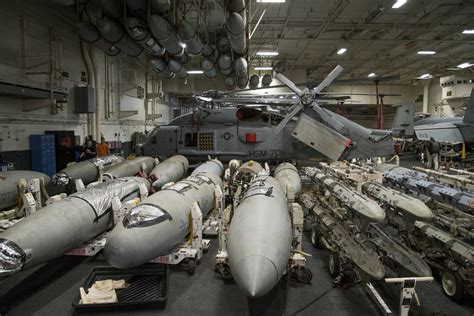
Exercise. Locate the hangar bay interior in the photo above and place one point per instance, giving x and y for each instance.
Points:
(236, 157)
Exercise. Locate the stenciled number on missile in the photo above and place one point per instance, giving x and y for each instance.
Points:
(265, 153)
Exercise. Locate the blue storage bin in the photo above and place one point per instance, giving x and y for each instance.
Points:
(43, 153)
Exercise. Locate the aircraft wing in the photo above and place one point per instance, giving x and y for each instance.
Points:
(441, 132)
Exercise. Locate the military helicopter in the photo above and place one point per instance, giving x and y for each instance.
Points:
(305, 132)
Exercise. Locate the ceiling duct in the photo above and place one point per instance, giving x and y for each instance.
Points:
(165, 35)
(225, 64)
(235, 27)
(190, 37)
(138, 30)
(115, 33)
(242, 82)
(161, 7)
(138, 8)
(223, 44)
(89, 33)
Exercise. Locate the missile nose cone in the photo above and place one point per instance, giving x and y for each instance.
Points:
(119, 253)
(255, 275)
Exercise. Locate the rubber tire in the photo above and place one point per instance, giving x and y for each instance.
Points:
(192, 266)
(334, 262)
(316, 238)
(303, 275)
(458, 285)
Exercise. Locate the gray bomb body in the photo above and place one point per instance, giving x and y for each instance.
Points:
(170, 170)
(157, 225)
(259, 239)
(9, 194)
(64, 225)
(87, 170)
(213, 166)
(129, 168)
(287, 174)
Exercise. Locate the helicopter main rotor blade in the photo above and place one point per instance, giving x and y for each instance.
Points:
(288, 83)
(328, 80)
(287, 118)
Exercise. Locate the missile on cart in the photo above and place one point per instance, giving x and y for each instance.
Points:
(412, 209)
(128, 168)
(363, 208)
(287, 175)
(157, 225)
(402, 260)
(170, 170)
(212, 166)
(260, 237)
(9, 191)
(87, 170)
(345, 244)
(65, 224)
(420, 184)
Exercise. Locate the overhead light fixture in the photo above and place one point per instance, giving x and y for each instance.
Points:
(425, 76)
(371, 75)
(183, 45)
(465, 65)
(267, 53)
(281, 97)
(263, 68)
(195, 72)
(398, 4)
(341, 51)
(271, 1)
(468, 31)
(426, 52)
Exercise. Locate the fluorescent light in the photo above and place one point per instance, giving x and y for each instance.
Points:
(293, 97)
(195, 72)
(341, 51)
(398, 4)
(183, 45)
(263, 68)
(371, 75)
(471, 31)
(426, 52)
(465, 65)
(271, 1)
(425, 76)
(267, 53)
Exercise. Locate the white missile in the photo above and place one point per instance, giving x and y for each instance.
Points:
(129, 168)
(170, 170)
(287, 175)
(9, 194)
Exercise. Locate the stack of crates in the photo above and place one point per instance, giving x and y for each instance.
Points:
(43, 153)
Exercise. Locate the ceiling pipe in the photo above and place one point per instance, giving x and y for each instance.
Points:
(138, 30)
(229, 83)
(267, 80)
(235, 27)
(223, 44)
(165, 35)
(190, 37)
(115, 33)
(225, 64)
(89, 33)
(254, 81)
(242, 82)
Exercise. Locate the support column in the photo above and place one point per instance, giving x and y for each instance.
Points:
(426, 94)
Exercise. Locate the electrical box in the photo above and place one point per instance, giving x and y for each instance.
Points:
(84, 101)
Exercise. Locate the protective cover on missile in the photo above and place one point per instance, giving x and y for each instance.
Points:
(170, 170)
(87, 170)
(157, 225)
(260, 236)
(9, 194)
(129, 168)
(64, 225)
(213, 166)
(287, 174)
(366, 209)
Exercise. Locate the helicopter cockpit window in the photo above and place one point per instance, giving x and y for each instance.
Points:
(191, 139)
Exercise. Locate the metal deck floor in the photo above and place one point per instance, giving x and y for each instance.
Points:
(51, 289)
